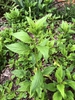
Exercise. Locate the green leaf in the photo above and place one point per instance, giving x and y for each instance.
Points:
(70, 95)
(50, 87)
(73, 76)
(71, 84)
(63, 50)
(44, 42)
(39, 92)
(30, 22)
(61, 88)
(18, 2)
(21, 95)
(37, 82)
(48, 70)
(23, 86)
(0, 46)
(59, 74)
(41, 22)
(1, 88)
(57, 96)
(51, 44)
(21, 3)
(39, 1)
(19, 73)
(32, 27)
(71, 31)
(11, 95)
(23, 36)
(3, 98)
(72, 48)
(44, 50)
(73, 20)
(68, 74)
(65, 26)
(19, 48)
(71, 56)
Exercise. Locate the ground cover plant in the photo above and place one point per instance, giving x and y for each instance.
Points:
(5, 6)
(67, 12)
(37, 55)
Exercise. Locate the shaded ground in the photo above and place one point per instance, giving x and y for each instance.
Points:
(2, 23)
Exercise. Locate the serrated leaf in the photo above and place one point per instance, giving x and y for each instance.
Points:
(44, 50)
(71, 84)
(23, 36)
(61, 88)
(19, 73)
(57, 96)
(59, 74)
(23, 86)
(50, 87)
(37, 82)
(19, 48)
(48, 70)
